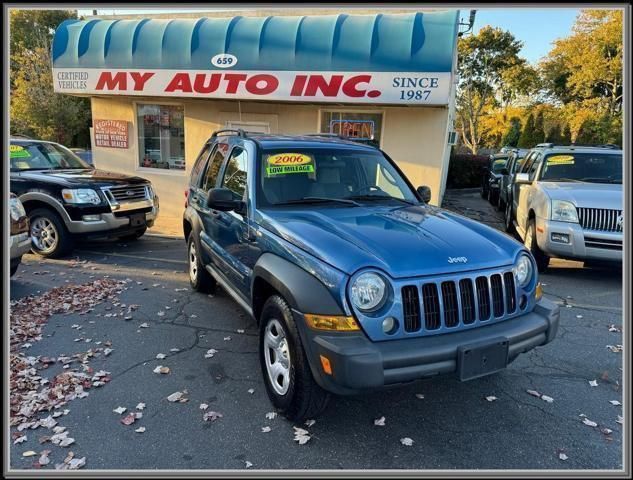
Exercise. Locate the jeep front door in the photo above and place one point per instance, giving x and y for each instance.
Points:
(236, 244)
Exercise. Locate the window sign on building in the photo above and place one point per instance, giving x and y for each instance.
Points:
(359, 125)
(161, 136)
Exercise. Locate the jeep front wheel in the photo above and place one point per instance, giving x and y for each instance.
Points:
(289, 381)
(199, 278)
(49, 236)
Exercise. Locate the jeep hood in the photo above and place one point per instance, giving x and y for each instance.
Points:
(402, 241)
(80, 177)
(585, 194)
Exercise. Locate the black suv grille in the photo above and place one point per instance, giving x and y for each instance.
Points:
(128, 193)
(454, 302)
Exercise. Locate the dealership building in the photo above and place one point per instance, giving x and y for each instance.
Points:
(159, 87)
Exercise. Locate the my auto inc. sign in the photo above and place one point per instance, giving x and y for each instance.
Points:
(336, 87)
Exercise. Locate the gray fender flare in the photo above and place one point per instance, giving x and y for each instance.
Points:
(304, 292)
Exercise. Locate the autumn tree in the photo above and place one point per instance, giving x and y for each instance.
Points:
(528, 135)
(491, 74)
(35, 109)
(539, 129)
(584, 72)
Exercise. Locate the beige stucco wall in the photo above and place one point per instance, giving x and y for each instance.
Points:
(415, 137)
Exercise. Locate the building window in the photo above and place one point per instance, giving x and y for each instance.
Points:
(365, 127)
(161, 136)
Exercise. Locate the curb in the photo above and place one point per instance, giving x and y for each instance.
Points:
(164, 235)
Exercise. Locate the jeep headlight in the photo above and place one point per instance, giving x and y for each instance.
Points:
(564, 211)
(17, 209)
(368, 292)
(523, 270)
(81, 195)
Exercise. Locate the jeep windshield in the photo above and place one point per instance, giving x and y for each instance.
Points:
(43, 156)
(582, 167)
(329, 176)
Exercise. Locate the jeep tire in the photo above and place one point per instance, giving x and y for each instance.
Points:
(287, 375)
(199, 278)
(542, 260)
(49, 236)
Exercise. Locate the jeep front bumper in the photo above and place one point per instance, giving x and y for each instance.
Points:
(358, 364)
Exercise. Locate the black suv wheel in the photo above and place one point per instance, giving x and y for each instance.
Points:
(49, 236)
(289, 381)
(199, 278)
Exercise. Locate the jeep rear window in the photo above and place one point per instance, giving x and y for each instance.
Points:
(582, 167)
(287, 175)
(43, 156)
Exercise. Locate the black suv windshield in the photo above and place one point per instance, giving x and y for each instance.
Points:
(582, 167)
(43, 156)
(328, 175)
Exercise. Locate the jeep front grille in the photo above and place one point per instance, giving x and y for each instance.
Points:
(455, 302)
(601, 219)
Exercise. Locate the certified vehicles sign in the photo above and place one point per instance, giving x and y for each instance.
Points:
(336, 87)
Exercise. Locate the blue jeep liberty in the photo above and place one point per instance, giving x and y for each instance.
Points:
(356, 282)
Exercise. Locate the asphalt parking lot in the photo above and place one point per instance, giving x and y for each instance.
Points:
(453, 425)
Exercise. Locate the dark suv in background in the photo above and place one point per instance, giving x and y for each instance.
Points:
(66, 198)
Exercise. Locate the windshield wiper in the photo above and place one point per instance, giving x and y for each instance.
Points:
(318, 200)
(380, 197)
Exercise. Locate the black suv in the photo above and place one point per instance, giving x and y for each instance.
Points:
(65, 198)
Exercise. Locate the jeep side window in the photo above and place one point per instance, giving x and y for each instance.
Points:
(235, 172)
(199, 165)
(213, 168)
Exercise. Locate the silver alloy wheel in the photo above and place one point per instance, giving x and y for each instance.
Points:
(193, 262)
(277, 356)
(44, 235)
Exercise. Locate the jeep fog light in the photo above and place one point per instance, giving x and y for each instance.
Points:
(368, 291)
(389, 325)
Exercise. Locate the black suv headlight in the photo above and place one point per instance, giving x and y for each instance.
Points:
(81, 195)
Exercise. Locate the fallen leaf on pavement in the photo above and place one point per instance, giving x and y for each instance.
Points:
(593, 383)
(119, 410)
(534, 393)
(310, 422)
(547, 398)
(203, 406)
(160, 356)
(613, 328)
(44, 460)
(174, 397)
(406, 441)
(588, 422)
(226, 339)
(144, 325)
(140, 430)
(29, 453)
(271, 415)
(614, 402)
(606, 431)
(161, 369)
(380, 422)
(562, 456)
(161, 314)
(248, 464)
(620, 420)
(266, 429)
(240, 330)
(491, 398)
(140, 406)
(19, 440)
(251, 390)
(420, 396)
(212, 416)
(302, 436)
(210, 353)
(129, 419)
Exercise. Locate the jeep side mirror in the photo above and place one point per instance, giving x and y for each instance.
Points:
(425, 193)
(222, 199)
(522, 178)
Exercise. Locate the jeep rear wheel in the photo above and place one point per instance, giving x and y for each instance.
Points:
(49, 236)
(287, 375)
(199, 278)
(542, 260)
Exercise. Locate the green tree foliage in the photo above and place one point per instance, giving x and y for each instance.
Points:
(511, 137)
(539, 128)
(491, 72)
(528, 135)
(566, 140)
(35, 109)
(554, 135)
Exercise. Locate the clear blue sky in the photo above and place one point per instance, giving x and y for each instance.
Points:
(537, 28)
